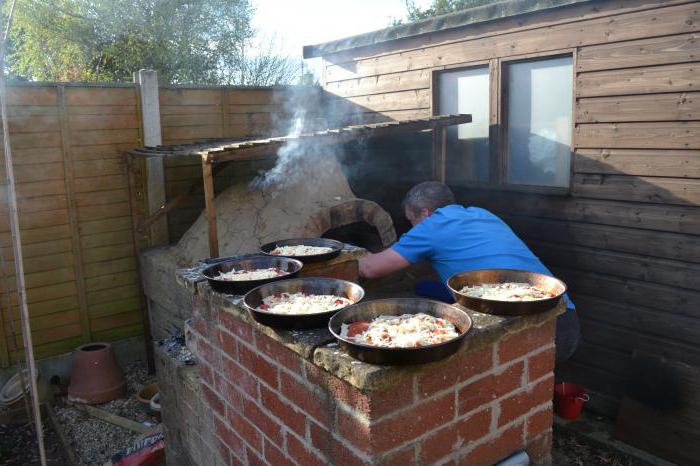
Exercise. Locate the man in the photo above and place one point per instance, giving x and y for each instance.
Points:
(456, 239)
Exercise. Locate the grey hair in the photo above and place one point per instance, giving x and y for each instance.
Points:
(430, 195)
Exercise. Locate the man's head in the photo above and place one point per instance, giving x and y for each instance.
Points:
(424, 198)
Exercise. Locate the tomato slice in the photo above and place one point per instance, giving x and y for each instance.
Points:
(264, 307)
(339, 301)
(357, 328)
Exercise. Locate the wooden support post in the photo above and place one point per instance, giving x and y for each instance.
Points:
(155, 173)
(208, 180)
(443, 154)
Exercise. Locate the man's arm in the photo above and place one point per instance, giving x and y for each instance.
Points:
(380, 264)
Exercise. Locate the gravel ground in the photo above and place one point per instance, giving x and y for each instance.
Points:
(95, 441)
(18, 446)
(568, 449)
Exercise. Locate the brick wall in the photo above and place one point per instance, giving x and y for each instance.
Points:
(272, 405)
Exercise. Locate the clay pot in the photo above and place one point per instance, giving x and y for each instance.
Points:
(145, 394)
(95, 377)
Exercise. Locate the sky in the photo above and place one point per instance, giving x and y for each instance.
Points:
(295, 23)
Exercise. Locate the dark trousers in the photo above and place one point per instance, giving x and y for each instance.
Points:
(568, 331)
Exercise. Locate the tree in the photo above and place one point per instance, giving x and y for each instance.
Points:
(437, 8)
(185, 41)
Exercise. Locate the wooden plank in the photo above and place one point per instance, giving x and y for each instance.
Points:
(256, 97)
(115, 321)
(120, 333)
(76, 110)
(92, 96)
(99, 167)
(58, 333)
(253, 109)
(184, 96)
(193, 119)
(36, 156)
(655, 322)
(638, 189)
(41, 188)
(99, 269)
(629, 26)
(645, 52)
(106, 239)
(208, 181)
(185, 110)
(103, 121)
(47, 140)
(634, 292)
(639, 162)
(71, 189)
(658, 135)
(668, 272)
(41, 172)
(39, 249)
(113, 294)
(101, 151)
(648, 80)
(32, 123)
(112, 280)
(46, 262)
(50, 292)
(101, 197)
(108, 253)
(101, 183)
(190, 132)
(651, 107)
(115, 210)
(106, 136)
(44, 95)
(392, 101)
(46, 278)
(113, 418)
(42, 234)
(394, 82)
(612, 238)
(49, 321)
(120, 306)
(92, 227)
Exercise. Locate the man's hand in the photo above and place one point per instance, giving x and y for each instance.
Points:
(380, 264)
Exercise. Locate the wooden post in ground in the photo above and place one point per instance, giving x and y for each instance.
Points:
(155, 173)
(208, 180)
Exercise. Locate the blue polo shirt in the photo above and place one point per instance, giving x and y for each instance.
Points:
(457, 239)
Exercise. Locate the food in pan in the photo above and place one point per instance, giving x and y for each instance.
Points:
(254, 274)
(405, 331)
(300, 250)
(302, 303)
(506, 292)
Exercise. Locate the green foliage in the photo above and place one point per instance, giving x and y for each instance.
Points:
(195, 41)
(438, 7)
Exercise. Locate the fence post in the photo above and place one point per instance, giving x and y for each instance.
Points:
(147, 81)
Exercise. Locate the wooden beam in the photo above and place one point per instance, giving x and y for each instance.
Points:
(443, 153)
(73, 214)
(208, 180)
(150, 118)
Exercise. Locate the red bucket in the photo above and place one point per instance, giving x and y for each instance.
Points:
(569, 399)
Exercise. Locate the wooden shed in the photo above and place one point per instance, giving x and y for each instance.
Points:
(585, 139)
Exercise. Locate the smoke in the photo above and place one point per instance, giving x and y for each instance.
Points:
(306, 109)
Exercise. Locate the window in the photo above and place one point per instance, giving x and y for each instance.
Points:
(538, 143)
(535, 121)
(467, 155)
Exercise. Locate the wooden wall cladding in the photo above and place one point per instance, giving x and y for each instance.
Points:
(626, 238)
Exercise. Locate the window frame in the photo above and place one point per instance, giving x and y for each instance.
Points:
(498, 109)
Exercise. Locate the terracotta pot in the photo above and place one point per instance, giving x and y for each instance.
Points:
(95, 377)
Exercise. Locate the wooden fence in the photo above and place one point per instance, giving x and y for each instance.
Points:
(68, 144)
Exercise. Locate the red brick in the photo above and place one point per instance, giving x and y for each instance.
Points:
(228, 344)
(449, 375)
(236, 326)
(292, 418)
(241, 426)
(539, 422)
(262, 421)
(301, 452)
(235, 374)
(213, 399)
(200, 325)
(490, 452)
(209, 354)
(456, 436)
(254, 459)
(519, 404)
(525, 341)
(257, 365)
(274, 455)
(229, 438)
(354, 430)
(489, 388)
(230, 394)
(333, 450)
(405, 456)
(285, 357)
(540, 364)
(313, 402)
(540, 450)
(205, 373)
(394, 430)
(224, 451)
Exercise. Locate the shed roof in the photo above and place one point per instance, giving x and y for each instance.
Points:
(466, 17)
(225, 150)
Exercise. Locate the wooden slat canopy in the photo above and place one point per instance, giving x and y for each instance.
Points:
(229, 150)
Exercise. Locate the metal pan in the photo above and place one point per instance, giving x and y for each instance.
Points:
(506, 308)
(400, 356)
(337, 246)
(311, 285)
(291, 266)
